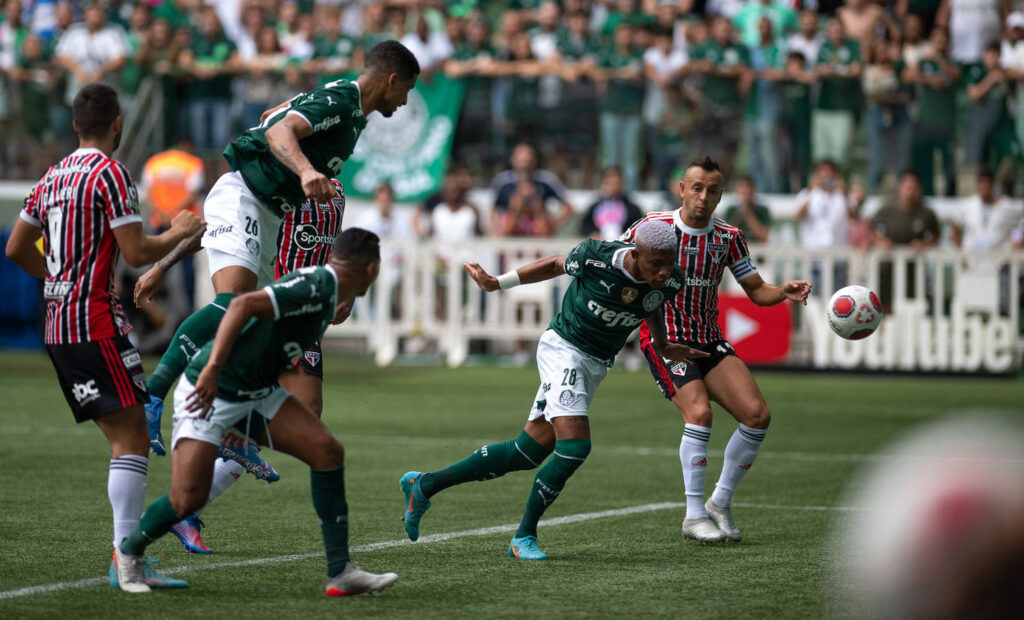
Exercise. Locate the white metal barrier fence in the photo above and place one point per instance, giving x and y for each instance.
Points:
(946, 310)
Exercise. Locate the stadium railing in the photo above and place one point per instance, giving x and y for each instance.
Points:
(945, 310)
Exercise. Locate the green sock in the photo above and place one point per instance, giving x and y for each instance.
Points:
(155, 522)
(192, 334)
(569, 455)
(331, 507)
(490, 461)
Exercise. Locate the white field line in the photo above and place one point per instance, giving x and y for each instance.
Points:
(388, 544)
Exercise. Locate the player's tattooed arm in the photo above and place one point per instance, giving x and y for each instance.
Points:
(256, 304)
(670, 350)
(283, 138)
(539, 270)
(150, 281)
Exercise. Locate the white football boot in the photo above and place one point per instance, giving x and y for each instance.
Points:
(723, 519)
(131, 575)
(702, 530)
(354, 580)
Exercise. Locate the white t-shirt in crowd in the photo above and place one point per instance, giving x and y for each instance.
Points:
(797, 42)
(973, 24)
(825, 224)
(450, 227)
(91, 50)
(1012, 55)
(990, 227)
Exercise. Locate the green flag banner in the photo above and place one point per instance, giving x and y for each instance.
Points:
(410, 150)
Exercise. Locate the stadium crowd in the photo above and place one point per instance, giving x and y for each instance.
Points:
(767, 88)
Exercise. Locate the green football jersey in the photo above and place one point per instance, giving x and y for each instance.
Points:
(604, 304)
(304, 303)
(333, 111)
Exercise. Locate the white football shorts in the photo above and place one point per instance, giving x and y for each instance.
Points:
(240, 231)
(568, 378)
(222, 415)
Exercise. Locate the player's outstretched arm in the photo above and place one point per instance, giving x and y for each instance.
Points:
(141, 249)
(764, 294)
(671, 350)
(256, 304)
(21, 248)
(150, 281)
(539, 270)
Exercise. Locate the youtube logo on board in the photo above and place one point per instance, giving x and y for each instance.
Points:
(760, 335)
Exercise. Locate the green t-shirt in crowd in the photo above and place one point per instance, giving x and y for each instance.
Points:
(212, 53)
(734, 216)
(839, 93)
(722, 92)
(936, 107)
(622, 96)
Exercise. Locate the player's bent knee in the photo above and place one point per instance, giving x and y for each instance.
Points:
(759, 417)
(327, 454)
(187, 500)
(699, 414)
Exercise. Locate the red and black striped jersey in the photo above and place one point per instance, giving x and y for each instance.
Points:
(78, 203)
(703, 256)
(308, 233)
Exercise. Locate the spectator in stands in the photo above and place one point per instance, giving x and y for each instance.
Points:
(988, 136)
(458, 177)
(915, 46)
(375, 25)
(822, 213)
(211, 61)
(619, 78)
(783, 21)
(986, 221)
(727, 79)
(795, 127)
(832, 121)
(764, 110)
(935, 77)
(808, 40)
(519, 89)
(551, 102)
(12, 31)
(245, 39)
(92, 51)
(263, 74)
(334, 53)
(431, 47)
(526, 215)
(473, 60)
(36, 78)
(862, 20)
(755, 220)
(906, 221)
(663, 67)
(888, 119)
(577, 51)
(1012, 56)
(524, 170)
(613, 212)
(972, 25)
(138, 30)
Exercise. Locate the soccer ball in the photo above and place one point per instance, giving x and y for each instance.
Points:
(854, 312)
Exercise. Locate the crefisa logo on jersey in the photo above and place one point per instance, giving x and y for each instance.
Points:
(307, 237)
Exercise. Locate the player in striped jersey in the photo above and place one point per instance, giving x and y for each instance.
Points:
(707, 245)
(86, 210)
(306, 240)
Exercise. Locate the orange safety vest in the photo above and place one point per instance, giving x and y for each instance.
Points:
(169, 176)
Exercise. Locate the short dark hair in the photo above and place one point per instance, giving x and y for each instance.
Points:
(796, 56)
(389, 57)
(831, 163)
(909, 172)
(994, 46)
(746, 179)
(94, 109)
(707, 164)
(611, 170)
(357, 243)
(984, 172)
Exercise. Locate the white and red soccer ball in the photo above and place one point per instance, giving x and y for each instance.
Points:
(854, 312)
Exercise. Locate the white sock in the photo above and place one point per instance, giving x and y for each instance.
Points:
(740, 453)
(126, 487)
(693, 455)
(224, 475)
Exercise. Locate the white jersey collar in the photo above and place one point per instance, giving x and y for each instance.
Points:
(89, 150)
(619, 262)
(678, 219)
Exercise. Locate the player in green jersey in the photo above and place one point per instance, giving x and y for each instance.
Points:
(232, 382)
(616, 286)
(289, 158)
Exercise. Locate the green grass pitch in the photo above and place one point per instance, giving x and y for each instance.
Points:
(55, 518)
